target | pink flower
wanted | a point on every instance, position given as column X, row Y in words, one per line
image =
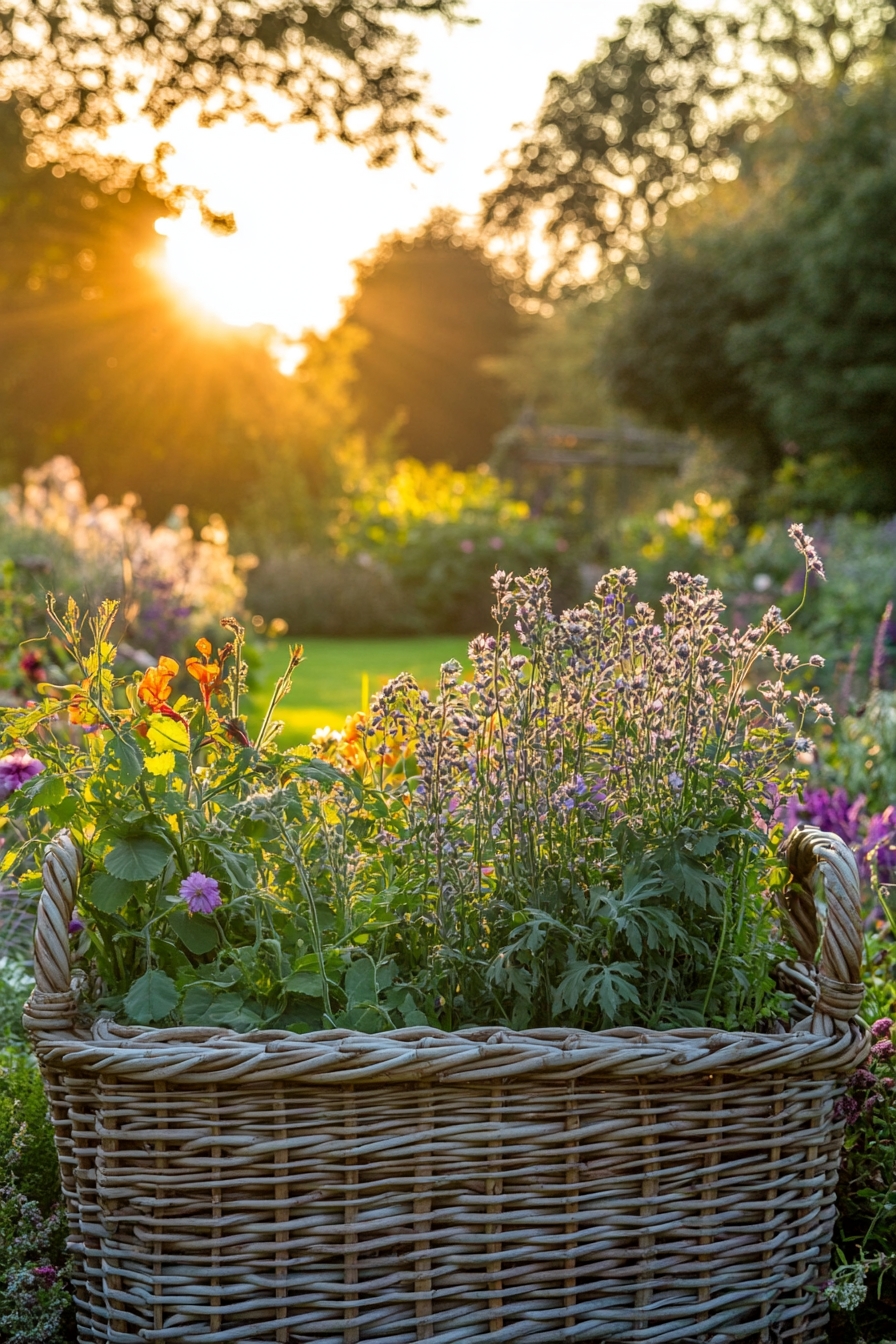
column 863, row 1078
column 200, row 893
column 467, row 546
column 882, row 1027
column 15, row 770
column 883, row 1050
column 496, row 543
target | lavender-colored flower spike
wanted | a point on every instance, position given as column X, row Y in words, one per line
column 200, row 893
column 15, row 770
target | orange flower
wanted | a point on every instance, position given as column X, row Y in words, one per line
column 80, row 709
column 155, row 686
column 207, row 674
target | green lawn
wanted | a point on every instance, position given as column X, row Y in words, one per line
column 330, row 682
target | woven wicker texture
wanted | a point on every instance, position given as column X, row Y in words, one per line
column 629, row 1185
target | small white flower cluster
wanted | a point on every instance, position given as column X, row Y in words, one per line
column 847, row 1288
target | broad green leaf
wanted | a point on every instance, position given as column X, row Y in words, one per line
column 62, row 814
column 197, row 933
column 360, row 982
column 110, row 893
column 707, row 843
column 50, row 792
column 151, row 998
column 305, row 982
column 411, row 1013
column 136, row 858
column 168, row 734
column 162, row 764
column 197, row 1001
column 129, row 758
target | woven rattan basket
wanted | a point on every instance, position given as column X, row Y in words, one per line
column 554, row 1185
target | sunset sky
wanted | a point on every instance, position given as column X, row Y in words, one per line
column 305, row 210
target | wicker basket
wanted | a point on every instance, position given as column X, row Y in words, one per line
column 554, row 1185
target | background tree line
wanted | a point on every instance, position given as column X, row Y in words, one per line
column 718, row 191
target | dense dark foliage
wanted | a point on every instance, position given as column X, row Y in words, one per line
column 432, row 313
column 656, row 117
column 775, row 328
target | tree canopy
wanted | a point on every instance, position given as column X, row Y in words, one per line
column 775, row 328
column 433, row 314
column 345, row 65
column 662, row 112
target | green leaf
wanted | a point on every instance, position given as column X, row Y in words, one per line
column 197, row 1001
column 707, row 843
column 129, row 758
column 151, row 998
column 360, row 982
column 411, row 1013
column 324, row 773
column 110, row 893
column 62, row 814
column 239, row 868
column 49, row 793
column 136, row 858
column 198, row 933
column 305, row 982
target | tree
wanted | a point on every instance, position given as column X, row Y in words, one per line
column 433, row 314
column 345, row 65
column 99, row 359
column 775, row 327
column 662, row 112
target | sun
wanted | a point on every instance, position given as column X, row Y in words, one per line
column 208, row 268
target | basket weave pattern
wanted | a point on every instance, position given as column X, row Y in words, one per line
column 335, row 1188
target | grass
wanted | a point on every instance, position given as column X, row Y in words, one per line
column 338, row 674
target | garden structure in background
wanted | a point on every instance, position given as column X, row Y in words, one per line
column 433, row 1027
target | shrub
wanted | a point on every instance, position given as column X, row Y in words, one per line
column 170, row 583
column 440, row 533
column 23, row 1113
column 326, row 594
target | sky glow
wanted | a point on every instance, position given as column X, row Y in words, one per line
column 306, row 209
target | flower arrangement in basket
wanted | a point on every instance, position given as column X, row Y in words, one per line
column 506, row 962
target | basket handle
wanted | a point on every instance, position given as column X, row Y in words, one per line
column 52, row 1006
column 839, row 992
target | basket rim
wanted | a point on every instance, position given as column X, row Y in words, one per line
column 476, row 1054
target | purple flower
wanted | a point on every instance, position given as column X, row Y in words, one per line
column 15, row 770
column 75, row 925
column 200, row 893
column 848, row 1109
column 46, row 1275
column 862, row 1078
column 675, row 781
column 883, row 1050
column 882, row 1027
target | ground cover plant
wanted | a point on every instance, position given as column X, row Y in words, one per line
column 579, row 834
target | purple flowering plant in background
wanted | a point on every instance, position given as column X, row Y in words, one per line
column 871, row 837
